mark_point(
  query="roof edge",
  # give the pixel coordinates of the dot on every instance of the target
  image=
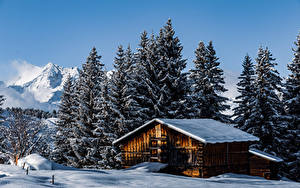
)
(184, 132)
(162, 122)
(134, 131)
(265, 155)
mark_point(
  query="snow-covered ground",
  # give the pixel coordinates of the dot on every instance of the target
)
(141, 175)
(12, 176)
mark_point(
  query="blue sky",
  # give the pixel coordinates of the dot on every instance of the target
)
(64, 31)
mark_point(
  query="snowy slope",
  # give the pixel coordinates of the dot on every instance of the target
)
(40, 89)
(12, 177)
(231, 79)
(47, 83)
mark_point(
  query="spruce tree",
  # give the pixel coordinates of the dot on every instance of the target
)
(87, 131)
(116, 94)
(161, 84)
(149, 56)
(207, 85)
(172, 79)
(197, 82)
(2, 99)
(66, 119)
(291, 98)
(125, 92)
(2, 135)
(145, 77)
(246, 89)
(133, 111)
(110, 156)
(266, 107)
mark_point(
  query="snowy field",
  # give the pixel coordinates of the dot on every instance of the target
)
(13, 176)
(142, 175)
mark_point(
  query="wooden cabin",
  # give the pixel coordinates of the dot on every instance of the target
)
(196, 147)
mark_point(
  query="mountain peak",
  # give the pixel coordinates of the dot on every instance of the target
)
(47, 84)
(50, 64)
(50, 67)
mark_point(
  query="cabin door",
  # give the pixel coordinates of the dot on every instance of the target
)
(158, 146)
(158, 149)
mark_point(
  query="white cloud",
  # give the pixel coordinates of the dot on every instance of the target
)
(25, 72)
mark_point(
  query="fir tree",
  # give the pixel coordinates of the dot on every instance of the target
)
(2, 99)
(246, 89)
(66, 119)
(207, 85)
(145, 77)
(158, 74)
(291, 98)
(266, 107)
(148, 57)
(197, 82)
(133, 111)
(87, 130)
(110, 156)
(116, 94)
(172, 80)
(125, 93)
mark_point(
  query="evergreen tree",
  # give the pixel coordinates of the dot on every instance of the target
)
(291, 97)
(110, 156)
(116, 94)
(2, 136)
(2, 99)
(125, 93)
(66, 119)
(207, 85)
(172, 80)
(87, 132)
(266, 107)
(133, 111)
(197, 82)
(246, 89)
(145, 77)
(159, 80)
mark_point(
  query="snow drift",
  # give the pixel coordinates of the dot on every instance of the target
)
(148, 167)
(37, 162)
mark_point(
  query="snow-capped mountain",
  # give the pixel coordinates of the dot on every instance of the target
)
(48, 84)
(44, 86)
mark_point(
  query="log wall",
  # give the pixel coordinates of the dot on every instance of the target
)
(226, 157)
(137, 148)
(263, 167)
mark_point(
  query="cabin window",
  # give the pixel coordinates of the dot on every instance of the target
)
(178, 141)
(154, 143)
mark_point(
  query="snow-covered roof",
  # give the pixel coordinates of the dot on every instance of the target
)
(203, 130)
(265, 155)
